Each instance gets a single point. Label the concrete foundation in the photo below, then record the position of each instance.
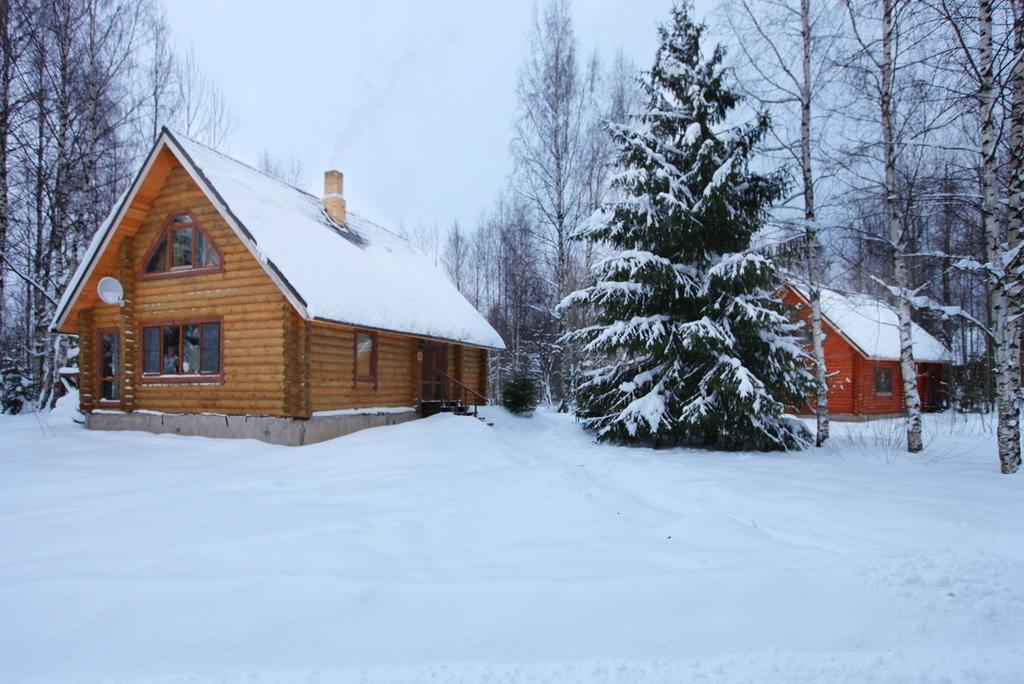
(272, 429)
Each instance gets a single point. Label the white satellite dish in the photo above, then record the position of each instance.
(110, 290)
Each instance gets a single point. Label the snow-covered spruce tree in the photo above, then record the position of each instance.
(15, 385)
(690, 342)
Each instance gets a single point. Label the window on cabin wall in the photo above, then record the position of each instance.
(883, 382)
(181, 349)
(366, 357)
(181, 247)
(110, 366)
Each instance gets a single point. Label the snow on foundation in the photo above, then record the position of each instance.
(371, 411)
(444, 550)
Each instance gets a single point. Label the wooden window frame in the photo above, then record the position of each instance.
(892, 382)
(180, 271)
(100, 378)
(365, 379)
(201, 376)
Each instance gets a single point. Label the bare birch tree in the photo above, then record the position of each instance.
(203, 112)
(785, 46)
(879, 60)
(288, 170)
(1013, 255)
(160, 79)
(81, 82)
(1004, 248)
(992, 72)
(549, 154)
(456, 256)
(13, 19)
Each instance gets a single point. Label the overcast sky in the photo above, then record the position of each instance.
(412, 101)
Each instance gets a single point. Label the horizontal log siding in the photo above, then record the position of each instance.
(851, 384)
(87, 395)
(841, 361)
(273, 363)
(872, 403)
(472, 371)
(332, 371)
(256, 316)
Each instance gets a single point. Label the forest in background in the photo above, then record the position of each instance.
(520, 260)
(85, 86)
(900, 128)
(894, 121)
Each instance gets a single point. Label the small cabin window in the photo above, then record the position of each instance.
(181, 349)
(883, 382)
(209, 348)
(182, 246)
(151, 350)
(110, 362)
(366, 357)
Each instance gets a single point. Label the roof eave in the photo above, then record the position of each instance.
(856, 347)
(406, 333)
(853, 344)
(247, 238)
(80, 278)
(195, 172)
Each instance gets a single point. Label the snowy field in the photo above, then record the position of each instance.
(444, 550)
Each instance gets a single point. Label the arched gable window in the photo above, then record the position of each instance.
(181, 248)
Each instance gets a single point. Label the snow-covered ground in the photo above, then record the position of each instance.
(444, 550)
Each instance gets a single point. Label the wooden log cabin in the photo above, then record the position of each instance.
(286, 316)
(862, 352)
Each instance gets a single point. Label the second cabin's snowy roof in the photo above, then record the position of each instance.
(359, 274)
(873, 326)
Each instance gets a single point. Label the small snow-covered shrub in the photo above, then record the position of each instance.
(520, 392)
(67, 406)
(15, 386)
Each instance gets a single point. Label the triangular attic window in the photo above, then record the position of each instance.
(181, 247)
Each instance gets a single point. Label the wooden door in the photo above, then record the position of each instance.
(435, 363)
(929, 386)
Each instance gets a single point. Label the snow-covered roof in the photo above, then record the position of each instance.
(873, 326)
(359, 274)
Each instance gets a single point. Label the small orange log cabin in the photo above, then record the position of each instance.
(251, 308)
(862, 352)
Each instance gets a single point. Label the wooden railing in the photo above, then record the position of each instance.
(457, 390)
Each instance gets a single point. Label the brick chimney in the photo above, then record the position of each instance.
(334, 196)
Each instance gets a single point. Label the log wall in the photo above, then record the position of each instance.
(257, 320)
(399, 370)
(473, 371)
(332, 371)
(871, 403)
(851, 384)
(273, 361)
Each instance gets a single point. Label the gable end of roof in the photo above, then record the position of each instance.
(359, 273)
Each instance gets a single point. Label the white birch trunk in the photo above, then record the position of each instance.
(813, 247)
(1007, 304)
(897, 237)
